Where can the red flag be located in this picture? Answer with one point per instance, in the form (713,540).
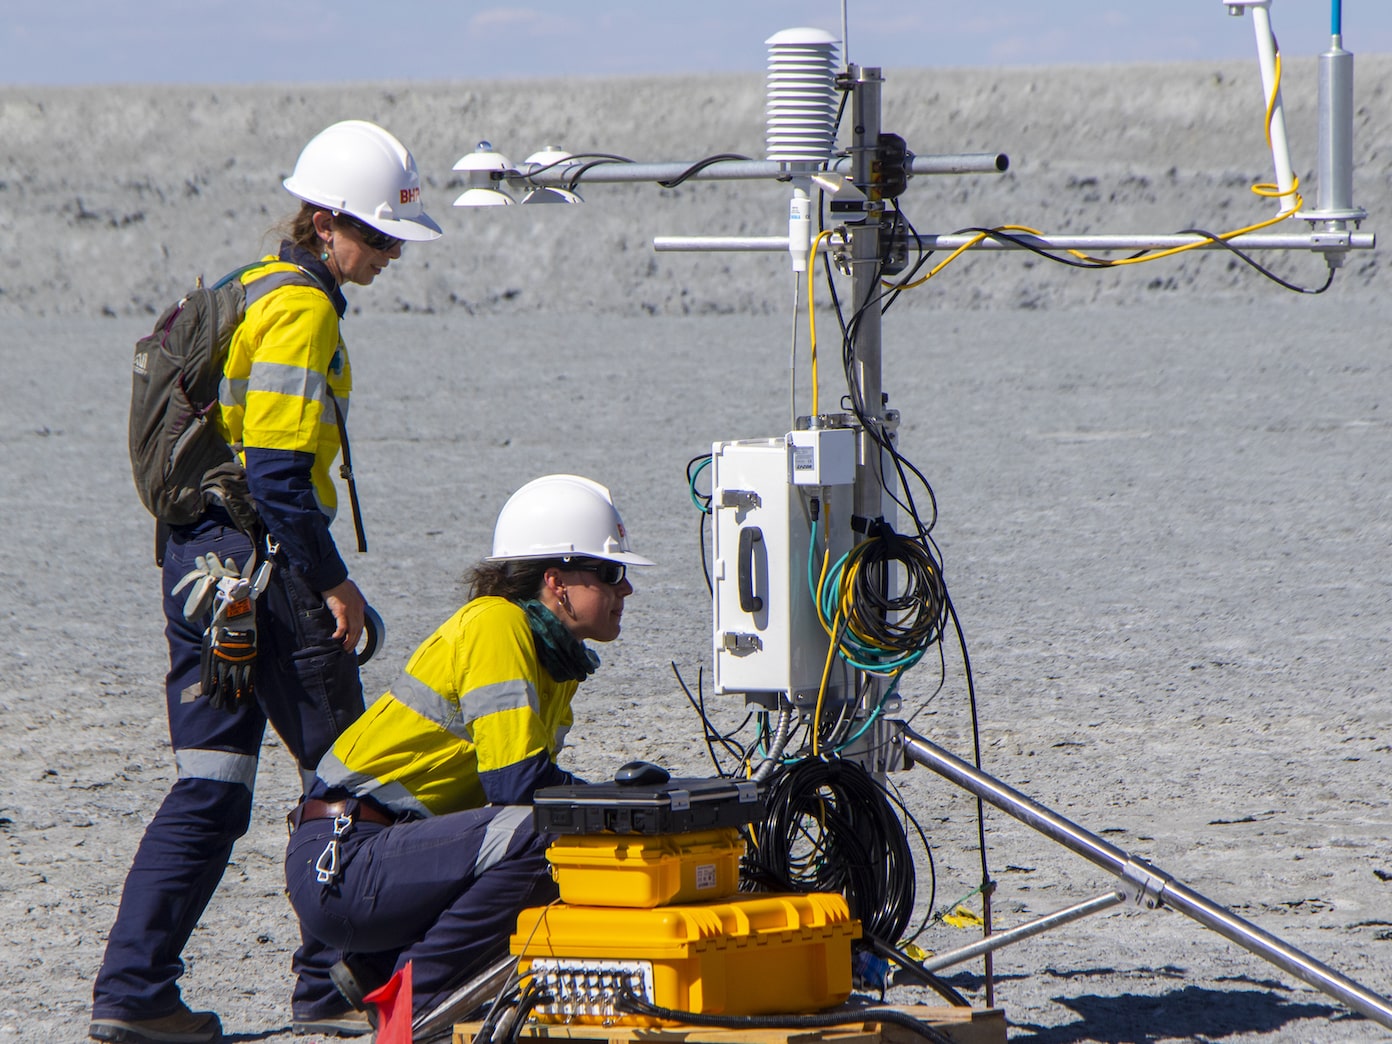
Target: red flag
(393,1000)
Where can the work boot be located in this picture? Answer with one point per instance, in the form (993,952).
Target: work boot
(180,1026)
(353,982)
(347,1024)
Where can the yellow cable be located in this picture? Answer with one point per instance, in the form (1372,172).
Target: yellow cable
(1264,189)
(812,311)
(822,689)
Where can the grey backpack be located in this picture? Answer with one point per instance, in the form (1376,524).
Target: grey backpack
(178,459)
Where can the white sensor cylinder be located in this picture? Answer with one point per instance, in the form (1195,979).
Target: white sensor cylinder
(800,226)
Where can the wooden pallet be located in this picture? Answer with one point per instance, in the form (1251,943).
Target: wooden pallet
(962,1025)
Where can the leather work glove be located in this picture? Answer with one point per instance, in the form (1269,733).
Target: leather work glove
(229,651)
(229,642)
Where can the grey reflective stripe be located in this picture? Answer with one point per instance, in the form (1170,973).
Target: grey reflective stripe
(501,696)
(394,795)
(504,827)
(232,391)
(429,704)
(562,731)
(263,285)
(285,379)
(336,774)
(306,779)
(219,765)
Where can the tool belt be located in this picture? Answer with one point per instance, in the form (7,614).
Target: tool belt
(316,808)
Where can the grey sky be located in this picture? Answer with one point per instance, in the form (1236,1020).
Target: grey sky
(260,41)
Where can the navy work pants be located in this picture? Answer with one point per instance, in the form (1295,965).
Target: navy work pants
(307,686)
(443,893)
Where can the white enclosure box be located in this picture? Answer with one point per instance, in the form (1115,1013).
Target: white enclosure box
(822,457)
(767,636)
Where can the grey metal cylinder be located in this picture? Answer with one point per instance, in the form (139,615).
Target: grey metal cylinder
(1334,195)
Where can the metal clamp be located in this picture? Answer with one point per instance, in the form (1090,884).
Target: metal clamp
(741,643)
(1142,885)
(744,499)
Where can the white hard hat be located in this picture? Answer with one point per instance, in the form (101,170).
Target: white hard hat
(358,168)
(560,516)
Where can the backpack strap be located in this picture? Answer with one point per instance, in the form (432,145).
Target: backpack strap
(346,472)
(263,285)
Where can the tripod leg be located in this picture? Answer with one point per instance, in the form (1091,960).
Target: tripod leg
(1146,885)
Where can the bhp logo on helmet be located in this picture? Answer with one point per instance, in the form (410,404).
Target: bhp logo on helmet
(410,195)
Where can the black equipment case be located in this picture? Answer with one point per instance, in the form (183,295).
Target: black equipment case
(678,806)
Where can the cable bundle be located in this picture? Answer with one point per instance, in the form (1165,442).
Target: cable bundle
(875,629)
(830,828)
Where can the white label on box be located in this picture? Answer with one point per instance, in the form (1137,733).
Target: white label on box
(705,876)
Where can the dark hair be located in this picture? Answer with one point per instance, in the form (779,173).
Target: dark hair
(516,581)
(299,228)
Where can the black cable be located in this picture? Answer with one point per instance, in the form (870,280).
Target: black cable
(691,482)
(868,418)
(987,885)
(1260,268)
(600,159)
(699,166)
(1048,255)
(505,1000)
(705,558)
(626,1001)
(706,512)
(912,273)
(912,617)
(1095,263)
(572,157)
(943,989)
(829,827)
(712,735)
(530,997)
(932,865)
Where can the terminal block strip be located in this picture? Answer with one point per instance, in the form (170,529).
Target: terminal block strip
(578,987)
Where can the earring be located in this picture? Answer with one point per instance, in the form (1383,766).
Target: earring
(565,604)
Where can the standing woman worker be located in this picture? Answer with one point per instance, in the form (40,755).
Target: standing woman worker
(286,380)
(416,841)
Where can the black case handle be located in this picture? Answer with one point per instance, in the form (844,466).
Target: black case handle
(749,536)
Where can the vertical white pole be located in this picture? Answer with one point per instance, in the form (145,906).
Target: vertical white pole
(1280,147)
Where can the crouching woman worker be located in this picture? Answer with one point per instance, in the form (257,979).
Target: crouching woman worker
(415,842)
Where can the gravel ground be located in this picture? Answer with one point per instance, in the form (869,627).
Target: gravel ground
(1163,496)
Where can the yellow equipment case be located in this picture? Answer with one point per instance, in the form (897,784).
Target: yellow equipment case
(753,954)
(646,870)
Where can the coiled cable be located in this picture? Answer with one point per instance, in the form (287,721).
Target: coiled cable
(830,828)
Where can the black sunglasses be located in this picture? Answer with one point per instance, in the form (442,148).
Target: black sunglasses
(606,572)
(373,238)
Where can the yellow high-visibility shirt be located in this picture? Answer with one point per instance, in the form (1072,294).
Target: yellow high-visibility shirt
(285,357)
(474,719)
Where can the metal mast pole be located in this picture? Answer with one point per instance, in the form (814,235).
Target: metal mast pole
(865,288)
(866,364)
